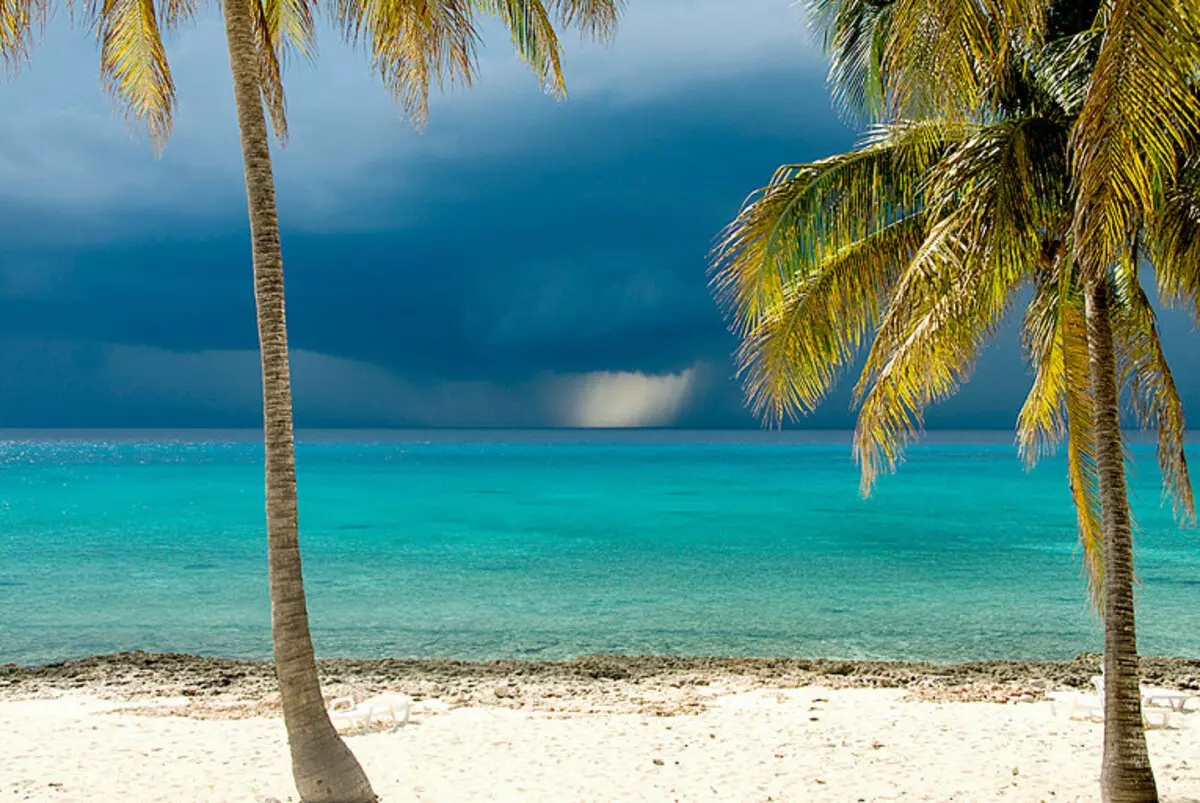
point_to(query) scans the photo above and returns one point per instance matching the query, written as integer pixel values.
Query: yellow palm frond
(271, 31)
(1042, 423)
(794, 354)
(985, 243)
(946, 56)
(1141, 112)
(595, 18)
(854, 33)
(133, 63)
(291, 27)
(819, 208)
(19, 19)
(533, 36)
(413, 43)
(942, 311)
(1173, 239)
(1152, 388)
(1060, 404)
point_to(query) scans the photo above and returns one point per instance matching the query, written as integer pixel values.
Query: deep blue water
(549, 545)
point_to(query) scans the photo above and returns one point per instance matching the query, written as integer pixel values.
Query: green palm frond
(133, 63)
(795, 353)
(1141, 112)
(985, 243)
(1059, 404)
(19, 20)
(1173, 239)
(1012, 173)
(938, 318)
(949, 56)
(413, 43)
(854, 34)
(1152, 388)
(820, 208)
(534, 37)
(1063, 68)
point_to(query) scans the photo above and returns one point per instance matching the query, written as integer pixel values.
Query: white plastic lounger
(1151, 717)
(393, 709)
(1170, 698)
(1078, 706)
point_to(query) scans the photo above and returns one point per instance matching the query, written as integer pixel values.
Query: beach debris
(658, 762)
(502, 690)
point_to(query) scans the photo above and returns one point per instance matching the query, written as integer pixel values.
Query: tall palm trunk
(1126, 776)
(324, 768)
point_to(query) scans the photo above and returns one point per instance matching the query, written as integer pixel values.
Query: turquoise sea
(548, 544)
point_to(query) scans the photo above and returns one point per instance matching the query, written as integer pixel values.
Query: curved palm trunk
(1126, 776)
(324, 768)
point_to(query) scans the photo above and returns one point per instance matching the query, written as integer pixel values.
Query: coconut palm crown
(991, 178)
(414, 44)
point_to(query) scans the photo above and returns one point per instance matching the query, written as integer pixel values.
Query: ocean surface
(548, 545)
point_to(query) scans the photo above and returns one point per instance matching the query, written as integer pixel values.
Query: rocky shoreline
(656, 684)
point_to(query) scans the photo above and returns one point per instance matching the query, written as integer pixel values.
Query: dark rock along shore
(137, 673)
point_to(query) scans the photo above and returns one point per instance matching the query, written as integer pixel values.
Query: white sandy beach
(806, 744)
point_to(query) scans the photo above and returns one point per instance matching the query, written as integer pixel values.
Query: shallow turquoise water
(550, 545)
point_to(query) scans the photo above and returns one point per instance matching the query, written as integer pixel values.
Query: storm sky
(520, 261)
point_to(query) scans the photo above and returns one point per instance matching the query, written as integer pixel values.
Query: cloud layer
(520, 262)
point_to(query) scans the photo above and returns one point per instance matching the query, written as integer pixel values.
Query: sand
(115, 729)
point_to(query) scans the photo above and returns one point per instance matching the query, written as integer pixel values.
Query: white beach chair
(1170, 698)
(394, 709)
(1077, 706)
(1155, 695)
(1151, 717)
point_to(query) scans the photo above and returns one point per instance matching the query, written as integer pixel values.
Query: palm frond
(948, 56)
(939, 316)
(534, 37)
(173, 14)
(133, 63)
(819, 208)
(270, 35)
(796, 351)
(1155, 397)
(1063, 68)
(291, 27)
(854, 33)
(985, 243)
(1173, 238)
(595, 18)
(19, 20)
(1141, 112)
(1060, 404)
(413, 43)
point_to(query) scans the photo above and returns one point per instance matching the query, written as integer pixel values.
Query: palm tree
(413, 43)
(920, 239)
(1140, 117)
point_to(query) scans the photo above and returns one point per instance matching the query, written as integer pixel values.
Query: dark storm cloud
(519, 262)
